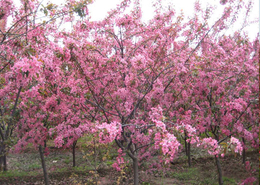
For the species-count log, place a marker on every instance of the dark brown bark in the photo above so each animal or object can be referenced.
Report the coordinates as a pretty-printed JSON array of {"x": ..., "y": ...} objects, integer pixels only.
[
  {"x": 189, "y": 158},
  {"x": 133, "y": 155},
  {"x": 185, "y": 143},
  {"x": 6, "y": 134},
  {"x": 136, "y": 175},
  {"x": 46, "y": 178},
  {"x": 244, "y": 151},
  {"x": 45, "y": 144},
  {"x": 74, "y": 153},
  {"x": 220, "y": 178},
  {"x": 3, "y": 163},
  {"x": 187, "y": 148}
]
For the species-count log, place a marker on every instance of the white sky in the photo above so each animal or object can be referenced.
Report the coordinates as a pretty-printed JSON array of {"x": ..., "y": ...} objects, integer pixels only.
[{"x": 99, "y": 9}]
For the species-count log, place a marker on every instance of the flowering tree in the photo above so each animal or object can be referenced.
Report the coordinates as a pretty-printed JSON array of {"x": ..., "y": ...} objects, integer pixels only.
[
  {"x": 225, "y": 92},
  {"x": 143, "y": 77},
  {"x": 131, "y": 82},
  {"x": 221, "y": 98},
  {"x": 27, "y": 67}
]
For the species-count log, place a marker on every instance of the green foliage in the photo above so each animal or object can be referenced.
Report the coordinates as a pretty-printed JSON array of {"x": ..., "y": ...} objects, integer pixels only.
[
  {"x": 204, "y": 135},
  {"x": 109, "y": 163},
  {"x": 17, "y": 173},
  {"x": 229, "y": 181},
  {"x": 93, "y": 178},
  {"x": 191, "y": 172},
  {"x": 123, "y": 174},
  {"x": 146, "y": 183},
  {"x": 34, "y": 166},
  {"x": 207, "y": 181},
  {"x": 79, "y": 11},
  {"x": 79, "y": 8},
  {"x": 76, "y": 169},
  {"x": 67, "y": 160},
  {"x": 48, "y": 8},
  {"x": 60, "y": 170}
]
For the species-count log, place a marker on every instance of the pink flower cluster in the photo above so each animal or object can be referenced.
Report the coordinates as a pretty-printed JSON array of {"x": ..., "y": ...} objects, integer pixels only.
[
  {"x": 109, "y": 132},
  {"x": 66, "y": 134},
  {"x": 191, "y": 132},
  {"x": 119, "y": 160},
  {"x": 210, "y": 144},
  {"x": 156, "y": 113},
  {"x": 170, "y": 146},
  {"x": 234, "y": 142}
]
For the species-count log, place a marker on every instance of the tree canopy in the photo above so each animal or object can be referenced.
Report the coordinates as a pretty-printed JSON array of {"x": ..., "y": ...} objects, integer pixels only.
[{"x": 138, "y": 84}]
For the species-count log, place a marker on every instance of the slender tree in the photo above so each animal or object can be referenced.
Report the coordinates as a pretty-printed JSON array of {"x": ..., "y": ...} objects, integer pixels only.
[
  {"x": 149, "y": 79},
  {"x": 26, "y": 64}
]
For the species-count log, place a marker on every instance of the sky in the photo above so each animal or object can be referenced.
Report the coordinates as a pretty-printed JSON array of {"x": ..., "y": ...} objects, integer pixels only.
[{"x": 99, "y": 9}]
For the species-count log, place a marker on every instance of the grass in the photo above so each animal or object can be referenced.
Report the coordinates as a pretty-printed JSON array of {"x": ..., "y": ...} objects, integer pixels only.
[
  {"x": 16, "y": 173},
  {"x": 67, "y": 160},
  {"x": 59, "y": 163},
  {"x": 197, "y": 176},
  {"x": 146, "y": 183},
  {"x": 229, "y": 181},
  {"x": 186, "y": 175},
  {"x": 34, "y": 166}
]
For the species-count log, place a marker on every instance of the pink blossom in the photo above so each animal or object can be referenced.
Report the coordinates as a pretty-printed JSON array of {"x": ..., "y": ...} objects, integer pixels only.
[
  {"x": 237, "y": 144},
  {"x": 109, "y": 132},
  {"x": 211, "y": 145},
  {"x": 170, "y": 146}
]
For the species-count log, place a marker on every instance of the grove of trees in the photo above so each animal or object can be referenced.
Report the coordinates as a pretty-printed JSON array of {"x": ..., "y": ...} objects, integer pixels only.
[{"x": 126, "y": 81}]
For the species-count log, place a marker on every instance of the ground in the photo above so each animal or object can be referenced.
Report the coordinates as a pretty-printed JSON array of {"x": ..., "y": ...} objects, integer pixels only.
[{"x": 25, "y": 168}]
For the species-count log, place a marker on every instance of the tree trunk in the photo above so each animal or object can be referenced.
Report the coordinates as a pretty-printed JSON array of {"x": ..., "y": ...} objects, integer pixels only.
[
  {"x": 185, "y": 142},
  {"x": 220, "y": 179},
  {"x": 74, "y": 153},
  {"x": 244, "y": 151},
  {"x": 188, "y": 150},
  {"x": 45, "y": 144},
  {"x": 3, "y": 163},
  {"x": 46, "y": 178},
  {"x": 136, "y": 176}
]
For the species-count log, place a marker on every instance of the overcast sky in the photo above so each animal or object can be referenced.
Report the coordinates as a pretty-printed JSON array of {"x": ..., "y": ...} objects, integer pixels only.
[{"x": 99, "y": 9}]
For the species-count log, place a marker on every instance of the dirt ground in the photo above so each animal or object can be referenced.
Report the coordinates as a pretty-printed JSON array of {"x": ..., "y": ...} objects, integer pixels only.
[{"x": 203, "y": 171}]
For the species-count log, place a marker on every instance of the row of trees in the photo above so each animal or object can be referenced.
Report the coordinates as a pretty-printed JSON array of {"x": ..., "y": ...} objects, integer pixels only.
[{"x": 138, "y": 84}]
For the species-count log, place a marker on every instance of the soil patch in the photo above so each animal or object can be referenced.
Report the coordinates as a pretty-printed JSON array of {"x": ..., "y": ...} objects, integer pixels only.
[{"x": 25, "y": 169}]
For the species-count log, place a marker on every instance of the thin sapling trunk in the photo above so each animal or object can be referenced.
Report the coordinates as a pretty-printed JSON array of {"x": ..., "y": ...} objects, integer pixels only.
[
  {"x": 136, "y": 175},
  {"x": 3, "y": 163},
  {"x": 74, "y": 153},
  {"x": 46, "y": 178},
  {"x": 244, "y": 150},
  {"x": 220, "y": 178},
  {"x": 189, "y": 158}
]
